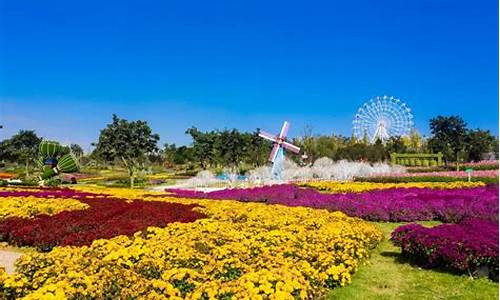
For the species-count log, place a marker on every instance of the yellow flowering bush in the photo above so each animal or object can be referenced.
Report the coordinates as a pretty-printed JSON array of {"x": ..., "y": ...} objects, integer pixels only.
[
  {"x": 359, "y": 187},
  {"x": 240, "y": 251}
]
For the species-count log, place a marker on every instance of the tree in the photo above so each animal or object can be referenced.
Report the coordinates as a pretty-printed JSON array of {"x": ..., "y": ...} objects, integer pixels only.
[
  {"x": 77, "y": 150},
  {"x": 202, "y": 146},
  {"x": 21, "y": 148},
  {"x": 396, "y": 144},
  {"x": 448, "y": 136},
  {"x": 377, "y": 151},
  {"x": 495, "y": 147},
  {"x": 478, "y": 142},
  {"x": 415, "y": 141},
  {"x": 130, "y": 142}
]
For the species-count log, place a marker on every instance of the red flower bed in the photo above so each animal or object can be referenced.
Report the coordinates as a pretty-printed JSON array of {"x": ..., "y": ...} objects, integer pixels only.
[{"x": 105, "y": 218}]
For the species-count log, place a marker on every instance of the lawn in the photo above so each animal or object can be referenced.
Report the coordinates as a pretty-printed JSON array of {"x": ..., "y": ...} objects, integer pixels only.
[{"x": 388, "y": 276}]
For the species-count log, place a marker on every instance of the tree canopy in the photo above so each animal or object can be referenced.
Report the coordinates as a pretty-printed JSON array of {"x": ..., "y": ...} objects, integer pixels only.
[{"x": 130, "y": 142}]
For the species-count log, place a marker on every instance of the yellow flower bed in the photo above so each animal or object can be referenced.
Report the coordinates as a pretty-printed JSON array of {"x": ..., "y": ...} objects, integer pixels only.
[
  {"x": 240, "y": 251},
  {"x": 358, "y": 187},
  {"x": 30, "y": 206}
]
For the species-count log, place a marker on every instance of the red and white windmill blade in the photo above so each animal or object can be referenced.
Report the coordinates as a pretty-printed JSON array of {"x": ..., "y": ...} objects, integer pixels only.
[{"x": 279, "y": 141}]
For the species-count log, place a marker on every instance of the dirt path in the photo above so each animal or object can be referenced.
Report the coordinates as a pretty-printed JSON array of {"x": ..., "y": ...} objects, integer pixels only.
[{"x": 7, "y": 260}]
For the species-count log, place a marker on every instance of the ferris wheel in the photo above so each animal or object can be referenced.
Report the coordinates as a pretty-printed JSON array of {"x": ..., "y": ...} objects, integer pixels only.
[{"x": 381, "y": 118}]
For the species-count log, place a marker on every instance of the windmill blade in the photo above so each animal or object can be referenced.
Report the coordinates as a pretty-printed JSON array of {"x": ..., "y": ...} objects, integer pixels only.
[
  {"x": 291, "y": 147},
  {"x": 272, "y": 157},
  {"x": 267, "y": 136},
  {"x": 284, "y": 130}
]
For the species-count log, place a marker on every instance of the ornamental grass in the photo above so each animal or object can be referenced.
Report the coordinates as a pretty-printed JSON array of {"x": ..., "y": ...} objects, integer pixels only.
[{"x": 239, "y": 251}]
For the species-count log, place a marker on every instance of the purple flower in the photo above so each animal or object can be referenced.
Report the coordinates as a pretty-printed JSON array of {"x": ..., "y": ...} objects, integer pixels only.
[
  {"x": 463, "y": 247},
  {"x": 394, "y": 205}
]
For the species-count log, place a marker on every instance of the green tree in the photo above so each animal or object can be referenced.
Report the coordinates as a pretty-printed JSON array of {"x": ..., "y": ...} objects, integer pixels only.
[
  {"x": 415, "y": 141},
  {"x": 203, "y": 146},
  {"x": 130, "y": 142},
  {"x": 478, "y": 142},
  {"x": 495, "y": 146},
  {"x": 21, "y": 148},
  {"x": 396, "y": 144},
  {"x": 448, "y": 136},
  {"x": 77, "y": 150},
  {"x": 377, "y": 151}
]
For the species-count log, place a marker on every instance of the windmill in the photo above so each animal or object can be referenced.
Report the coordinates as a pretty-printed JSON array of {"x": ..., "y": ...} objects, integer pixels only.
[{"x": 277, "y": 156}]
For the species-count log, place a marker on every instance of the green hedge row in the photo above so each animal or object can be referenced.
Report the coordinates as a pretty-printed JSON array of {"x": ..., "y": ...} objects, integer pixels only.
[{"x": 450, "y": 168}]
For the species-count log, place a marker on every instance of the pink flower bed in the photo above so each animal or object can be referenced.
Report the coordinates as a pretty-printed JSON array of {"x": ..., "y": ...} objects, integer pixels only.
[
  {"x": 481, "y": 163},
  {"x": 479, "y": 173}
]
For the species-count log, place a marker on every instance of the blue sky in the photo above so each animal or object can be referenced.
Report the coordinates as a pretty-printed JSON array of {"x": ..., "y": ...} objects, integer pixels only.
[{"x": 65, "y": 67}]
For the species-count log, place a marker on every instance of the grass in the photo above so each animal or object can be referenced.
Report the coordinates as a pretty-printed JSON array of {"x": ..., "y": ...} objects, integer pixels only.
[{"x": 387, "y": 276}]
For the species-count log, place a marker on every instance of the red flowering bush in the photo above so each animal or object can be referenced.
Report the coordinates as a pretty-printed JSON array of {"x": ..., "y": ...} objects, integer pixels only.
[
  {"x": 470, "y": 246},
  {"x": 105, "y": 218}
]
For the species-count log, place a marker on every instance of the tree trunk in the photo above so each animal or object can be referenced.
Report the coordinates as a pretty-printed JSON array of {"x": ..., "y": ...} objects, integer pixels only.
[
  {"x": 131, "y": 174},
  {"x": 27, "y": 168},
  {"x": 458, "y": 166}
]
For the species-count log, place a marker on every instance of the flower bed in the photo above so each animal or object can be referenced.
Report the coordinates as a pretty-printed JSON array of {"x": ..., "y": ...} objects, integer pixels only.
[
  {"x": 103, "y": 218},
  {"x": 358, "y": 187},
  {"x": 425, "y": 178},
  {"x": 241, "y": 250},
  {"x": 394, "y": 205},
  {"x": 7, "y": 175},
  {"x": 465, "y": 247},
  {"x": 459, "y": 174},
  {"x": 30, "y": 206}
]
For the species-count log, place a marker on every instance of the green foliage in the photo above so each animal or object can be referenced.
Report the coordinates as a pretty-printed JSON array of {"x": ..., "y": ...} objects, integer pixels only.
[
  {"x": 416, "y": 159},
  {"x": 396, "y": 144},
  {"x": 227, "y": 148},
  {"x": 448, "y": 136},
  {"x": 388, "y": 276},
  {"x": 77, "y": 150},
  {"x": 478, "y": 142},
  {"x": 21, "y": 148},
  {"x": 128, "y": 142}
]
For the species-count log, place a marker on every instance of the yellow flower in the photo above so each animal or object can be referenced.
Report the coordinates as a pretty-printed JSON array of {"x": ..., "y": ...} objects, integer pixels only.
[
  {"x": 359, "y": 187},
  {"x": 240, "y": 251}
]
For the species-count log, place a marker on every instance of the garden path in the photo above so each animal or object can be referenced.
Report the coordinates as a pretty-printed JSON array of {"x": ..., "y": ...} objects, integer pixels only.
[{"x": 7, "y": 260}]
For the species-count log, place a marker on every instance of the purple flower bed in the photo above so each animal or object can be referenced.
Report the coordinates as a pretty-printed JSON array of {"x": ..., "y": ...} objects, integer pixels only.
[
  {"x": 394, "y": 205},
  {"x": 470, "y": 246}
]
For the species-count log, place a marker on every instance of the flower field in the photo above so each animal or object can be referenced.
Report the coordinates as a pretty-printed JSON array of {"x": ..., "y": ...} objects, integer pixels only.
[
  {"x": 358, "y": 187},
  {"x": 12, "y": 205},
  {"x": 463, "y": 174},
  {"x": 233, "y": 250},
  {"x": 97, "y": 242},
  {"x": 103, "y": 219},
  {"x": 468, "y": 246},
  {"x": 393, "y": 205},
  {"x": 463, "y": 247}
]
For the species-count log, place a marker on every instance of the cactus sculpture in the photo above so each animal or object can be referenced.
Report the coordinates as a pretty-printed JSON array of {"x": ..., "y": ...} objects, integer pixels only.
[{"x": 55, "y": 159}]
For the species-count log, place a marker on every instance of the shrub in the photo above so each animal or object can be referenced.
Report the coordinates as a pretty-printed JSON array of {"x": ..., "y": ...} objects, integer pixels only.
[
  {"x": 425, "y": 163},
  {"x": 465, "y": 247}
]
